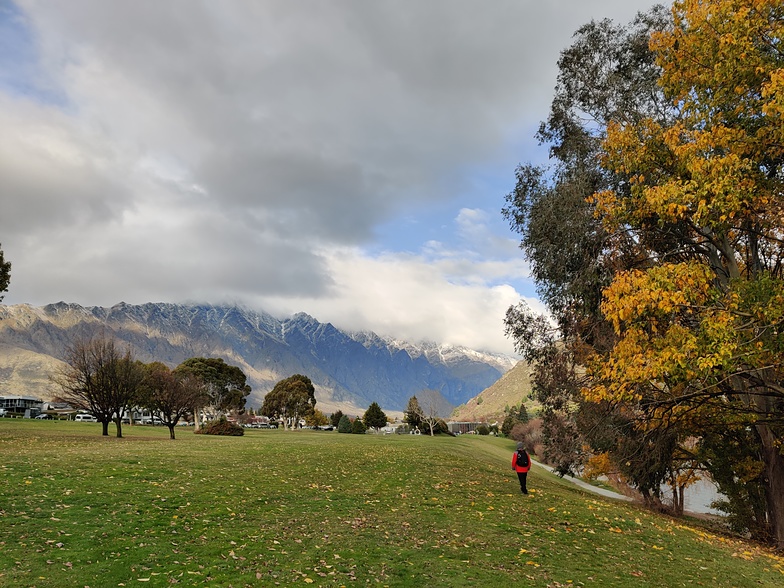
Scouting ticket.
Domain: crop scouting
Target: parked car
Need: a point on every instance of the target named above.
(85, 418)
(43, 416)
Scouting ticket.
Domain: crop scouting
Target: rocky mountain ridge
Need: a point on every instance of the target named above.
(350, 369)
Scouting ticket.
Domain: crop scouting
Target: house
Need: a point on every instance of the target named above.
(461, 428)
(20, 406)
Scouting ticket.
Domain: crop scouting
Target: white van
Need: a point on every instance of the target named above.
(85, 418)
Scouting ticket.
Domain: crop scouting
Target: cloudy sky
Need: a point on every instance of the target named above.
(345, 158)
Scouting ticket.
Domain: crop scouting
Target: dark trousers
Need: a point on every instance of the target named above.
(521, 476)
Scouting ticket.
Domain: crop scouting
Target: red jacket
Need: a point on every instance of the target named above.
(518, 468)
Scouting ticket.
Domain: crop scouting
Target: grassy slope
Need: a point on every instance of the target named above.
(326, 509)
(490, 405)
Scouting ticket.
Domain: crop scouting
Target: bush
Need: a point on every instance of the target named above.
(530, 434)
(483, 429)
(358, 427)
(442, 428)
(222, 427)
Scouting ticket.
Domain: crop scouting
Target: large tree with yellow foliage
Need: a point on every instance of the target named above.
(700, 324)
(607, 74)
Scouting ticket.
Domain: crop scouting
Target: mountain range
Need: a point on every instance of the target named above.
(350, 370)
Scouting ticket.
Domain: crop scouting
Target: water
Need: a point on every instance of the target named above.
(697, 497)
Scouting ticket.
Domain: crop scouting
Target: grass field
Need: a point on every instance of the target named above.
(325, 509)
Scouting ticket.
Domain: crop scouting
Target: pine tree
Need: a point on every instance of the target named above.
(374, 417)
(344, 426)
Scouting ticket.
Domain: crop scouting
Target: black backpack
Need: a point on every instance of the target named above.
(522, 459)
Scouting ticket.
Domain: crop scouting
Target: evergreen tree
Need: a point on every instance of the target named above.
(358, 426)
(374, 417)
(344, 426)
(335, 417)
(413, 413)
(514, 415)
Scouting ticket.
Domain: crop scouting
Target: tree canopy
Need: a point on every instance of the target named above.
(101, 378)
(334, 418)
(374, 417)
(666, 280)
(226, 384)
(170, 395)
(344, 425)
(290, 399)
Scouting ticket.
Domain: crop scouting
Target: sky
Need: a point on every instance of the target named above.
(345, 158)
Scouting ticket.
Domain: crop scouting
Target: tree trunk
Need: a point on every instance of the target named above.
(678, 496)
(171, 431)
(118, 424)
(105, 428)
(774, 481)
(682, 499)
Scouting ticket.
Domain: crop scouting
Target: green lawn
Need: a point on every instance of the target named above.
(326, 509)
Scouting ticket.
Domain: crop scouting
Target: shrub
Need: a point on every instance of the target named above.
(530, 434)
(442, 428)
(358, 427)
(483, 429)
(222, 427)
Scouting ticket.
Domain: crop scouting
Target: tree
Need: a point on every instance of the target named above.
(513, 416)
(5, 274)
(358, 427)
(432, 405)
(374, 417)
(169, 395)
(100, 378)
(335, 417)
(698, 337)
(316, 419)
(226, 384)
(291, 399)
(608, 75)
(413, 413)
(344, 426)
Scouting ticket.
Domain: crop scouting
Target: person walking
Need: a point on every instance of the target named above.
(521, 463)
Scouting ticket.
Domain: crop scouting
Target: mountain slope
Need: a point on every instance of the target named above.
(349, 370)
(511, 389)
